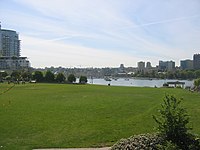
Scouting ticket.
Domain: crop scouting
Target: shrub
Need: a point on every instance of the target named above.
(143, 141)
(167, 145)
(172, 123)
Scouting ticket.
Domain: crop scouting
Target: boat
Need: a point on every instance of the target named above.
(107, 79)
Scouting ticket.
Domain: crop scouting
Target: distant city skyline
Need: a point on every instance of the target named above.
(103, 33)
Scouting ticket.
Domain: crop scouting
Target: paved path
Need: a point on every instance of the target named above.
(103, 148)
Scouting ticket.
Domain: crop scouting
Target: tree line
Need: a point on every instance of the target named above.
(39, 76)
(178, 74)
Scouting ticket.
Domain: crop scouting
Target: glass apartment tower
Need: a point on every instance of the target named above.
(9, 43)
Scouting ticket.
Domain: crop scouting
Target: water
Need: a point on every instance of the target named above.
(136, 82)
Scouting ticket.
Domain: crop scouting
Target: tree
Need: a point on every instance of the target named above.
(26, 76)
(71, 78)
(60, 77)
(83, 79)
(16, 75)
(197, 74)
(49, 76)
(38, 76)
(190, 74)
(3, 74)
(172, 122)
(197, 84)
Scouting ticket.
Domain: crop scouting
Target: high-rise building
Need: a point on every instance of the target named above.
(196, 61)
(166, 65)
(10, 51)
(148, 65)
(121, 68)
(10, 43)
(141, 65)
(186, 64)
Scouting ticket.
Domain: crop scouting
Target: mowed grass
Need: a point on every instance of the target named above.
(61, 115)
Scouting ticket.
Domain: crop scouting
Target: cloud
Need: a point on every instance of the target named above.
(103, 30)
(64, 54)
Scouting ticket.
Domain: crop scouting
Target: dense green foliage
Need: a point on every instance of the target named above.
(83, 79)
(178, 74)
(60, 78)
(26, 76)
(71, 78)
(3, 74)
(197, 84)
(15, 75)
(67, 115)
(49, 77)
(38, 76)
(172, 123)
(173, 119)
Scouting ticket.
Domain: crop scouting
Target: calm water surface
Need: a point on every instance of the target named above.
(135, 82)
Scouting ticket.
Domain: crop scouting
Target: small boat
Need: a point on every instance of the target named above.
(107, 79)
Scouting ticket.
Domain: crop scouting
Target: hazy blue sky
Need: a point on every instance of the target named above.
(103, 33)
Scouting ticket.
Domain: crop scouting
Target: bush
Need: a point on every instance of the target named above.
(173, 131)
(143, 141)
(172, 123)
(168, 145)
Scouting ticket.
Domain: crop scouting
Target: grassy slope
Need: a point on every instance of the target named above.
(52, 115)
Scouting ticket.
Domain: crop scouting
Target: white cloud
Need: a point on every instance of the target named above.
(45, 53)
(105, 32)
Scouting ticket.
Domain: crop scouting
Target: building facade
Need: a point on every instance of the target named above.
(166, 65)
(196, 61)
(141, 66)
(186, 64)
(10, 51)
(148, 65)
(10, 43)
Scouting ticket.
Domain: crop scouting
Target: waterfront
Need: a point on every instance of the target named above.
(136, 82)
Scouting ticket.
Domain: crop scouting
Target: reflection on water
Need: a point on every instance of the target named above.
(135, 82)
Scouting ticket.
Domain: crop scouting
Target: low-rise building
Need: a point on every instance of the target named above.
(14, 63)
(10, 58)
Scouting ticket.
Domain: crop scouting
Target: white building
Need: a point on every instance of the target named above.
(14, 63)
(10, 51)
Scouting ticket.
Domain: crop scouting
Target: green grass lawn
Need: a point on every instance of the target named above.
(60, 115)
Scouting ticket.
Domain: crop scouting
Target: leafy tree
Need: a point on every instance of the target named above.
(49, 76)
(16, 75)
(172, 122)
(83, 79)
(170, 75)
(26, 76)
(60, 77)
(197, 84)
(38, 76)
(8, 78)
(71, 78)
(190, 74)
(197, 74)
(3, 74)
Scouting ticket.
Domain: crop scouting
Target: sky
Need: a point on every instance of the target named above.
(103, 33)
